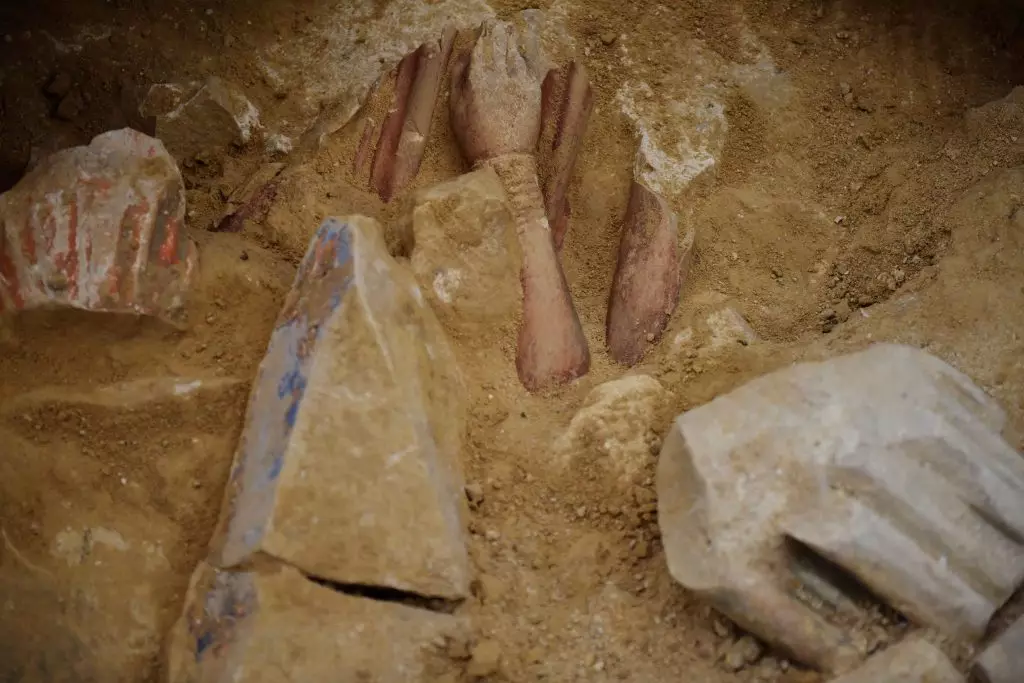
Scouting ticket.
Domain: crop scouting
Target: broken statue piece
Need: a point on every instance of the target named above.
(913, 661)
(398, 117)
(1003, 660)
(567, 101)
(653, 262)
(215, 117)
(99, 228)
(249, 627)
(887, 463)
(348, 464)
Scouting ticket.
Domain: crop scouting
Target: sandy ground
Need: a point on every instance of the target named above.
(854, 185)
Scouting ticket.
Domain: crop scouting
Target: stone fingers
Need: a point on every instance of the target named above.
(760, 605)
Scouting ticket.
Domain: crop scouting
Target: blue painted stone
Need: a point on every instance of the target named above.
(323, 278)
(348, 467)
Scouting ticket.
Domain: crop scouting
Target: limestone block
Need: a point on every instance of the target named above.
(348, 465)
(466, 255)
(216, 116)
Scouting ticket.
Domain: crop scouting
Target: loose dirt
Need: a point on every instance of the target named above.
(859, 194)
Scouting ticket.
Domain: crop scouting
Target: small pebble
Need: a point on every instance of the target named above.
(609, 37)
(244, 255)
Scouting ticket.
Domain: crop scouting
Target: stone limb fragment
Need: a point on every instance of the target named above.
(348, 464)
(913, 661)
(98, 228)
(1003, 660)
(567, 101)
(887, 463)
(398, 137)
(652, 264)
(275, 624)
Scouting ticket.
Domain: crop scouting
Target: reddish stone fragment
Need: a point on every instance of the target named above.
(652, 265)
(404, 131)
(567, 102)
(99, 228)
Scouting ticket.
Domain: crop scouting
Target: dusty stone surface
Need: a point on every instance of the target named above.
(466, 255)
(912, 661)
(1003, 660)
(99, 228)
(216, 116)
(876, 461)
(615, 427)
(249, 627)
(348, 466)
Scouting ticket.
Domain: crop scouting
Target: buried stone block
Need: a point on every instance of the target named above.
(887, 463)
(99, 228)
(275, 625)
(348, 464)
(216, 116)
(466, 256)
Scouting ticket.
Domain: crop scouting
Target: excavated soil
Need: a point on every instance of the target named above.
(865, 189)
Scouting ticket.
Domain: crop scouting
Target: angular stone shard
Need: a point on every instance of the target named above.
(888, 463)
(466, 256)
(100, 228)
(567, 101)
(1003, 660)
(216, 116)
(249, 627)
(653, 262)
(348, 465)
(912, 661)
